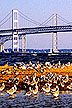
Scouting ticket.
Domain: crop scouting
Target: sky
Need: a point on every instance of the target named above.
(40, 10)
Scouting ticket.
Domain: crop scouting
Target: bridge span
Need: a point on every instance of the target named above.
(37, 30)
(20, 33)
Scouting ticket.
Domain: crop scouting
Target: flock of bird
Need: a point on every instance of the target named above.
(47, 83)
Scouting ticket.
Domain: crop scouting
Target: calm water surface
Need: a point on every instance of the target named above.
(39, 101)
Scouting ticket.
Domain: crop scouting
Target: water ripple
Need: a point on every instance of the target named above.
(42, 101)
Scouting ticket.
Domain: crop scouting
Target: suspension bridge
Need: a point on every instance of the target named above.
(15, 33)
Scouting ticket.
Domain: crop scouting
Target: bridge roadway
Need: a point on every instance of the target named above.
(36, 30)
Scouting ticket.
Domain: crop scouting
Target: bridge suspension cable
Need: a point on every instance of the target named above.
(5, 17)
(63, 19)
(51, 18)
(47, 20)
(5, 21)
(28, 18)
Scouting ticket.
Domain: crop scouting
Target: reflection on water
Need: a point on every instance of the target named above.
(41, 100)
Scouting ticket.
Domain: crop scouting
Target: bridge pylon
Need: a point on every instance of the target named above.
(15, 24)
(55, 37)
(1, 47)
(24, 43)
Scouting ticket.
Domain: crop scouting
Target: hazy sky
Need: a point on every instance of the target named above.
(40, 10)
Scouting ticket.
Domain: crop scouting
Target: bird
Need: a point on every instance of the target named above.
(46, 88)
(62, 84)
(55, 80)
(23, 67)
(8, 71)
(29, 93)
(2, 87)
(16, 72)
(62, 66)
(16, 81)
(56, 92)
(67, 64)
(69, 86)
(12, 90)
(34, 77)
(32, 82)
(3, 72)
(35, 89)
(65, 78)
(42, 78)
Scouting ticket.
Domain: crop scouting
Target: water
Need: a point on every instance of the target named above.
(43, 50)
(39, 101)
(11, 58)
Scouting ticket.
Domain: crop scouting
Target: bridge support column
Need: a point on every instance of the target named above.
(24, 43)
(15, 40)
(55, 37)
(1, 47)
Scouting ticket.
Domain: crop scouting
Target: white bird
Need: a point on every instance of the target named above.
(29, 93)
(55, 92)
(35, 90)
(12, 90)
(70, 86)
(2, 87)
(46, 88)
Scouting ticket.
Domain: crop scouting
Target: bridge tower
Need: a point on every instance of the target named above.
(24, 43)
(15, 22)
(1, 47)
(55, 37)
